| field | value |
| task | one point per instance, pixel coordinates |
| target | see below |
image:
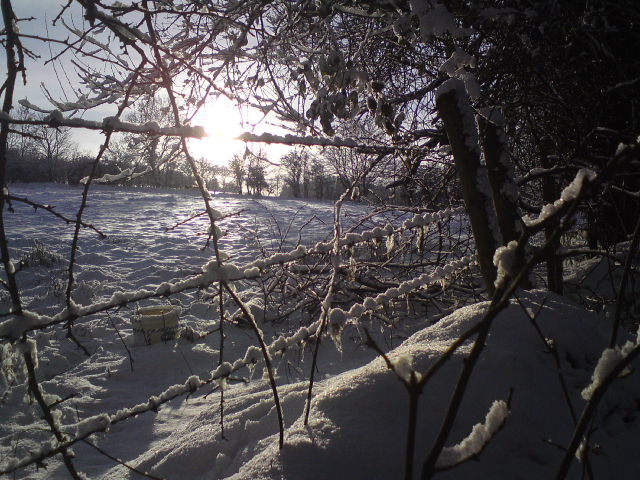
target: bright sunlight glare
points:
(222, 122)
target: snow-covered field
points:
(359, 415)
(138, 250)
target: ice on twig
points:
(569, 194)
(480, 435)
(609, 359)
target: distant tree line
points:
(38, 153)
(319, 175)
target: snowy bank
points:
(359, 418)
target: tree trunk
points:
(454, 107)
(549, 195)
(503, 185)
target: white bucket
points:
(154, 324)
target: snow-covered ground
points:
(138, 250)
(359, 415)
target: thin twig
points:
(51, 210)
(267, 359)
(34, 387)
(623, 285)
(553, 349)
(124, 344)
(589, 410)
(122, 462)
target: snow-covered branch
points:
(56, 119)
(230, 272)
(308, 141)
(477, 440)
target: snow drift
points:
(359, 418)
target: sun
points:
(223, 122)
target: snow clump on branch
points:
(478, 439)
(504, 259)
(569, 194)
(609, 359)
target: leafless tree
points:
(238, 171)
(378, 87)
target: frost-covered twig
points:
(221, 345)
(607, 362)
(609, 367)
(334, 318)
(553, 349)
(537, 172)
(211, 273)
(570, 193)
(34, 388)
(124, 344)
(76, 234)
(506, 287)
(55, 119)
(411, 380)
(121, 462)
(74, 242)
(213, 216)
(324, 142)
(326, 303)
(28, 320)
(99, 423)
(12, 48)
(484, 326)
(51, 210)
(371, 304)
(198, 215)
(267, 360)
(480, 436)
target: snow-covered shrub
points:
(39, 255)
(366, 79)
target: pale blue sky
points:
(56, 77)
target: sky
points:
(221, 119)
(39, 71)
